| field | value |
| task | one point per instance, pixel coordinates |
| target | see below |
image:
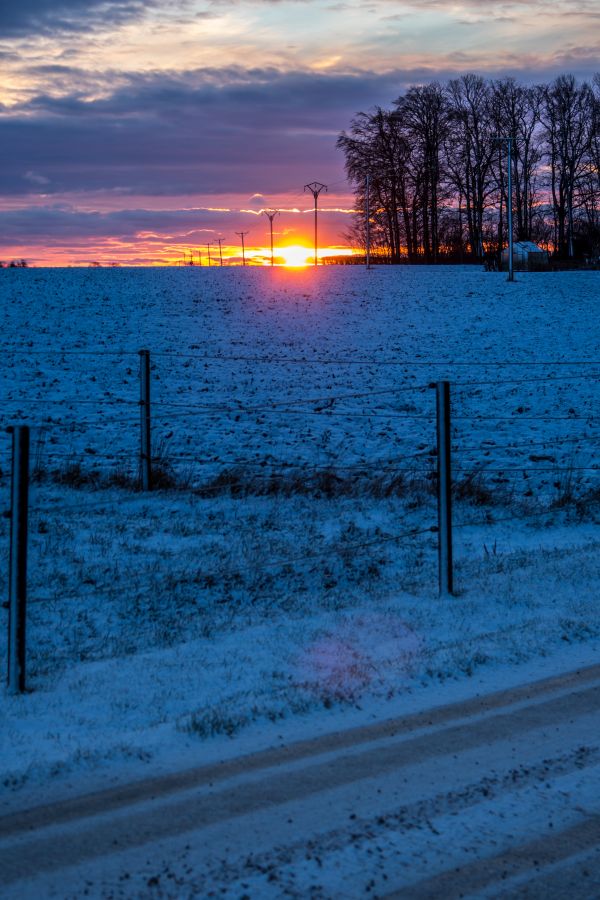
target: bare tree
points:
(568, 132)
(423, 117)
(589, 184)
(437, 170)
(472, 143)
(516, 112)
(377, 147)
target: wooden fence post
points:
(444, 489)
(17, 581)
(145, 431)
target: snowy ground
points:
(162, 624)
(457, 793)
(262, 370)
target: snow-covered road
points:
(495, 795)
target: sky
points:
(133, 132)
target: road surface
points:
(496, 796)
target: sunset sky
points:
(132, 131)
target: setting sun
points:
(296, 255)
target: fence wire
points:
(101, 451)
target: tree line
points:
(434, 169)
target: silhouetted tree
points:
(516, 113)
(377, 147)
(423, 118)
(473, 142)
(437, 168)
(567, 120)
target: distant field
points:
(328, 368)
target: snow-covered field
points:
(290, 567)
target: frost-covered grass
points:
(172, 615)
(287, 563)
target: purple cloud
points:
(201, 132)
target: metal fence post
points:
(444, 488)
(17, 580)
(145, 431)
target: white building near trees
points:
(527, 257)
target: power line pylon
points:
(315, 188)
(271, 213)
(220, 249)
(242, 234)
(209, 259)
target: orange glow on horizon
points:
(295, 256)
(145, 253)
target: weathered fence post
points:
(17, 579)
(146, 442)
(444, 488)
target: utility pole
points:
(511, 273)
(368, 213)
(199, 257)
(209, 259)
(271, 213)
(242, 235)
(570, 228)
(220, 250)
(315, 188)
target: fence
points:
(549, 400)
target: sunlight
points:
(295, 255)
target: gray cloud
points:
(35, 17)
(208, 131)
(205, 131)
(491, 7)
(195, 134)
(55, 224)
(54, 16)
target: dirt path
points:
(495, 796)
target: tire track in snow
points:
(163, 786)
(535, 869)
(48, 839)
(418, 815)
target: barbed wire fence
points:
(485, 442)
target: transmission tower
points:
(208, 250)
(220, 249)
(315, 188)
(242, 234)
(271, 213)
